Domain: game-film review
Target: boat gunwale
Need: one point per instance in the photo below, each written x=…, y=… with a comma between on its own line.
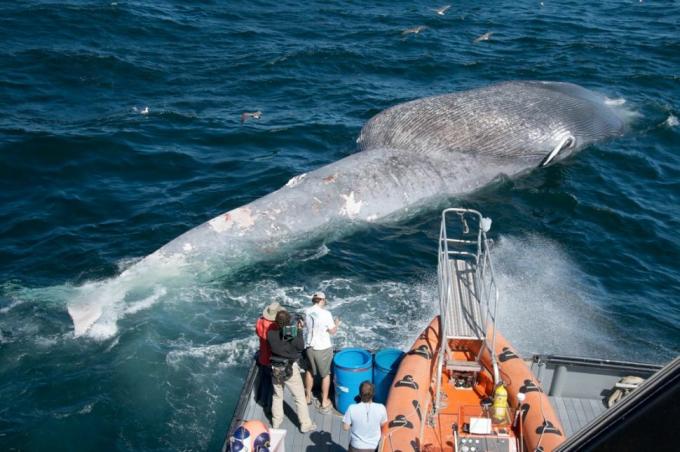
x=556, y=360
x=243, y=400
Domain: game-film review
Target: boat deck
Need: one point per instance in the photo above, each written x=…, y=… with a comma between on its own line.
x=577, y=397
x=578, y=387
x=576, y=413
x=329, y=436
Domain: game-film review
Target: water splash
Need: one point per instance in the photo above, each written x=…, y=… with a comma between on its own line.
x=545, y=299
x=627, y=112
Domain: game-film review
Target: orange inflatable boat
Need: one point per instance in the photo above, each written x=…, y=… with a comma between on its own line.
x=462, y=386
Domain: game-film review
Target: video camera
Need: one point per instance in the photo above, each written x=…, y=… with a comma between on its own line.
x=296, y=323
x=290, y=332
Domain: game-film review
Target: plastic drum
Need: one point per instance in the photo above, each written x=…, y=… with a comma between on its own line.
x=351, y=367
x=385, y=367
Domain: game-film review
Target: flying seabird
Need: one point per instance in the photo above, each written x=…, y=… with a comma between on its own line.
x=441, y=11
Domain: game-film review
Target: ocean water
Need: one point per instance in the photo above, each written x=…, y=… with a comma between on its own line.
x=120, y=129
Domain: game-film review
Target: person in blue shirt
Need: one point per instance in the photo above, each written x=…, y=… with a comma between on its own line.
x=364, y=420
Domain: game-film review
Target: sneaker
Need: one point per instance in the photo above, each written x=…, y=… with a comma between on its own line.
x=326, y=409
x=308, y=428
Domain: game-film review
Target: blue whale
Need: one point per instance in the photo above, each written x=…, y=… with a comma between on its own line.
x=408, y=156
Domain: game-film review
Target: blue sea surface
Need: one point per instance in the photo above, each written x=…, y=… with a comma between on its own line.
x=120, y=129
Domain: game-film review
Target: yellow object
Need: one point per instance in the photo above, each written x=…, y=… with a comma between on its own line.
x=500, y=403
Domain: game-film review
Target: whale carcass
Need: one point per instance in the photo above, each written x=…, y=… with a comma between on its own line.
x=408, y=155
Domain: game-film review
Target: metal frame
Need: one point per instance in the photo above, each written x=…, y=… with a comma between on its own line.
x=472, y=246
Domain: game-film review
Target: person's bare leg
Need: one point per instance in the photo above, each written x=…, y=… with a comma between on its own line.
x=325, y=386
x=309, y=384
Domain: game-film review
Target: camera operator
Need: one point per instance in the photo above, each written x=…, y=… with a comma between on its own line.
x=287, y=344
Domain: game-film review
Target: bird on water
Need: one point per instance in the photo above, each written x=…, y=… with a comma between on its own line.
x=246, y=115
x=414, y=30
x=485, y=37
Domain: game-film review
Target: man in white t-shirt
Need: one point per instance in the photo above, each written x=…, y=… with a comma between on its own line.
x=319, y=326
x=365, y=419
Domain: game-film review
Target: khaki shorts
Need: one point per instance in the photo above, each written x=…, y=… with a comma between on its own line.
x=320, y=361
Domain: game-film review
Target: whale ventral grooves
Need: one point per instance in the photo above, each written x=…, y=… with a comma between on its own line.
x=509, y=119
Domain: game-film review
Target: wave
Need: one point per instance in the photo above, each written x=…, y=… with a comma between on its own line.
x=545, y=297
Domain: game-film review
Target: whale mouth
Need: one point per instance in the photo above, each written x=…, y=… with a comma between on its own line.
x=565, y=143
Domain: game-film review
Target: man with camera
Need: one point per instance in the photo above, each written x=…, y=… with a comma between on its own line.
x=320, y=326
x=287, y=345
x=263, y=326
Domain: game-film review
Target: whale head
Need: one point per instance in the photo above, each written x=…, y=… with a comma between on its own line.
x=533, y=122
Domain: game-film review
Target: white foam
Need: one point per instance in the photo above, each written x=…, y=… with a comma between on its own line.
x=65, y=414
x=126, y=263
x=46, y=342
x=112, y=345
x=317, y=254
x=614, y=102
x=11, y=306
x=624, y=110
x=671, y=121
x=86, y=409
x=380, y=314
x=96, y=307
x=147, y=302
x=228, y=354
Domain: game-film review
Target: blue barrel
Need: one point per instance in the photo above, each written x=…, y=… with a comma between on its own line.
x=351, y=367
x=386, y=364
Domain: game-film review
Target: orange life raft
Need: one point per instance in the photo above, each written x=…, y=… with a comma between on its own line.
x=413, y=425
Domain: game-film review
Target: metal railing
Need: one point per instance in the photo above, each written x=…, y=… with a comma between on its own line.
x=471, y=245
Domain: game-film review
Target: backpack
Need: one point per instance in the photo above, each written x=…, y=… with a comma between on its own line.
x=281, y=371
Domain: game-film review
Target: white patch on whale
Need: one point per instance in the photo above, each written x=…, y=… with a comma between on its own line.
x=352, y=206
x=241, y=217
x=221, y=224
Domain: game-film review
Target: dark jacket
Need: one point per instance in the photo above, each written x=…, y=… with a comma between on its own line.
x=285, y=349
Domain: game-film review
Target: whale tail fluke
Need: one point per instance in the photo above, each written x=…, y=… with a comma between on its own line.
x=83, y=316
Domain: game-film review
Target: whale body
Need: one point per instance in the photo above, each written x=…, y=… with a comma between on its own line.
x=408, y=156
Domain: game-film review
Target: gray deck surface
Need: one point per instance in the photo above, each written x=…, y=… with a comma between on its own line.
x=464, y=314
x=329, y=435
x=575, y=413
